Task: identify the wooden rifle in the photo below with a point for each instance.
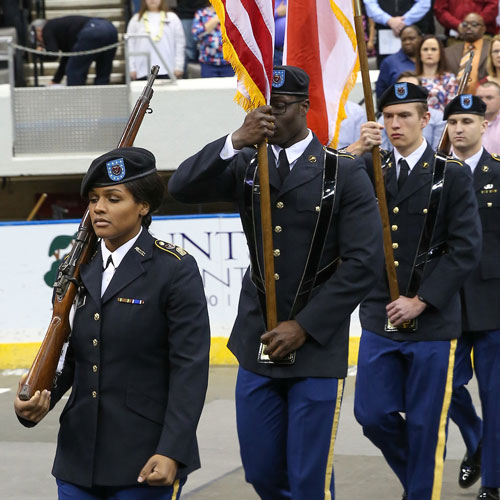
(43, 370)
(444, 146)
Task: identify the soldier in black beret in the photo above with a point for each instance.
(480, 320)
(288, 397)
(137, 359)
(407, 346)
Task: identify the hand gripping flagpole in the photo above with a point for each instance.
(377, 165)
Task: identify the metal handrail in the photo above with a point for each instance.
(127, 37)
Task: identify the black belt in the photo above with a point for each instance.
(311, 277)
(425, 252)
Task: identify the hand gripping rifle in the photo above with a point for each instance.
(43, 370)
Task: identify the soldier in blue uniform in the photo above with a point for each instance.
(407, 346)
(480, 316)
(323, 211)
(137, 359)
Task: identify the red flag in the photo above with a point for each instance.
(321, 39)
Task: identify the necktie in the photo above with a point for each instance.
(108, 262)
(283, 165)
(404, 171)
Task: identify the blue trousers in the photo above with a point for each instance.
(286, 430)
(487, 367)
(462, 410)
(69, 491)
(94, 34)
(414, 378)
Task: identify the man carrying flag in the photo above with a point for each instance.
(327, 245)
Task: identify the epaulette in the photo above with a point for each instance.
(495, 156)
(170, 248)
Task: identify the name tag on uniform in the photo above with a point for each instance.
(130, 301)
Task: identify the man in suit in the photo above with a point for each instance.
(480, 318)
(472, 30)
(287, 410)
(407, 346)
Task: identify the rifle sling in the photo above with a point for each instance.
(311, 277)
(425, 252)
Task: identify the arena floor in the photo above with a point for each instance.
(360, 471)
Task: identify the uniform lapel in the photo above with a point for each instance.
(308, 166)
(420, 175)
(391, 181)
(91, 275)
(274, 176)
(131, 267)
(482, 177)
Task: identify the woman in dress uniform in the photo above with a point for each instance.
(137, 359)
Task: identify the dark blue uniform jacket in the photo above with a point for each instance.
(457, 225)
(354, 235)
(138, 372)
(481, 291)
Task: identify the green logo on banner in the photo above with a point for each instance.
(56, 250)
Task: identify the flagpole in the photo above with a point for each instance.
(377, 164)
(267, 237)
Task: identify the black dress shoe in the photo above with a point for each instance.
(405, 496)
(488, 494)
(470, 469)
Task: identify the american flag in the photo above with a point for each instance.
(248, 42)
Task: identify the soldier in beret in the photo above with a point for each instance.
(480, 317)
(407, 347)
(137, 360)
(288, 399)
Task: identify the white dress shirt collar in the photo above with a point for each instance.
(473, 160)
(119, 253)
(412, 158)
(295, 151)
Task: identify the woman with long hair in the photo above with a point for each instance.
(430, 67)
(164, 28)
(493, 62)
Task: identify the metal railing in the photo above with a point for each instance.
(129, 53)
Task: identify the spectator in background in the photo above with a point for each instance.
(280, 28)
(350, 128)
(450, 13)
(430, 68)
(489, 92)
(165, 30)
(12, 16)
(76, 34)
(472, 30)
(403, 60)
(207, 32)
(392, 15)
(434, 128)
(493, 62)
(186, 10)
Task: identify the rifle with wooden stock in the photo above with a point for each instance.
(444, 146)
(43, 370)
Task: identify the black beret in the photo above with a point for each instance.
(117, 167)
(403, 92)
(290, 80)
(466, 104)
